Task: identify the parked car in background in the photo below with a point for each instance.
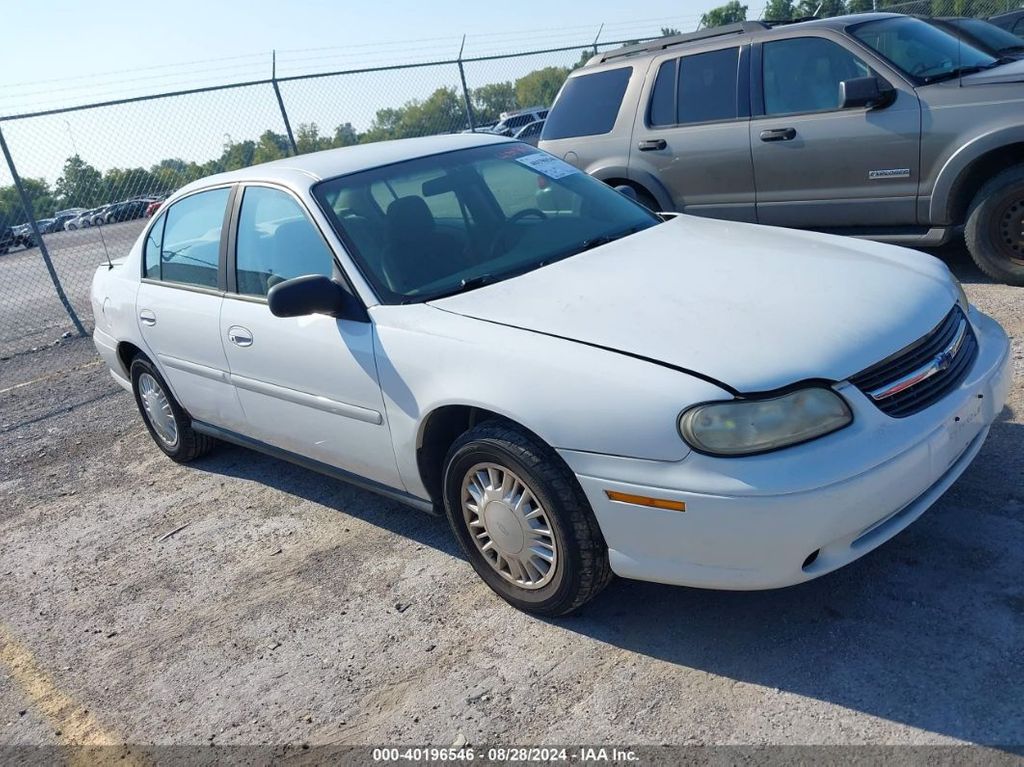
(511, 122)
(1011, 22)
(61, 219)
(879, 126)
(126, 211)
(100, 216)
(6, 239)
(982, 35)
(711, 404)
(153, 207)
(25, 237)
(82, 220)
(530, 133)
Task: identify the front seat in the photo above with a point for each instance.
(297, 250)
(417, 252)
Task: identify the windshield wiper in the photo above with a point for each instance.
(604, 239)
(472, 283)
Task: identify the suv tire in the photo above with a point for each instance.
(506, 463)
(168, 424)
(995, 227)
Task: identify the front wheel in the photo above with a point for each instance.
(168, 424)
(995, 227)
(523, 521)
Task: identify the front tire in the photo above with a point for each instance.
(523, 521)
(168, 424)
(995, 227)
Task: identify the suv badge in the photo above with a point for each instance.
(889, 173)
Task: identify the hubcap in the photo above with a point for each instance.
(1009, 226)
(158, 410)
(509, 526)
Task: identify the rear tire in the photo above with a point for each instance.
(541, 551)
(995, 227)
(168, 424)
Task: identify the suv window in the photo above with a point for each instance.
(588, 104)
(704, 91)
(276, 242)
(189, 240)
(802, 74)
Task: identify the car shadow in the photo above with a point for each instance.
(926, 631)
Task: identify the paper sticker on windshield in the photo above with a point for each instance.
(550, 166)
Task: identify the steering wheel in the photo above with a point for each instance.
(502, 232)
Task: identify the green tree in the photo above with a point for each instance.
(12, 211)
(441, 112)
(491, 100)
(540, 87)
(669, 31)
(729, 13)
(271, 146)
(860, 6)
(80, 184)
(779, 10)
(128, 182)
(821, 8)
(345, 135)
(236, 154)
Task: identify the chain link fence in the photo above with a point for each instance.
(79, 183)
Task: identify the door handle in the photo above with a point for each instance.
(239, 336)
(650, 144)
(778, 134)
(146, 317)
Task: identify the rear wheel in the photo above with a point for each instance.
(523, 521)
(995, 227)
(168, 424)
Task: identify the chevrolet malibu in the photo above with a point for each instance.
(467, 324)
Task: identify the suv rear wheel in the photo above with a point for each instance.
(995, 227)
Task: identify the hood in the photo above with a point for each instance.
(753, 307)
(1013, 72)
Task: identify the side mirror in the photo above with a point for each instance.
(314, 294)
(870, 92)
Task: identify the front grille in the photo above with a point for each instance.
(924, 372)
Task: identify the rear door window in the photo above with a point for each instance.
(695, 89)
(190, 246)
(588, 104)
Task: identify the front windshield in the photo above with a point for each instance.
(924, 52)
(999, 40)
(438, 225)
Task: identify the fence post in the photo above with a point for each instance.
(465, 91)
(280, 102)
(597, 36)
(26, 203)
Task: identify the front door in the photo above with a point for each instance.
(307, 385)
(691, 132)
(817, 165)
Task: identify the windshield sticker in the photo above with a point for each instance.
(550, 166)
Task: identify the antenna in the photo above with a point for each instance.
(110, 264)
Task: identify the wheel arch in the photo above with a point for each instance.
(640, 180)
(967, 171)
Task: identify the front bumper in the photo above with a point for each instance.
(785, 517)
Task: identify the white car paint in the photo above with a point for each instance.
(598, 355)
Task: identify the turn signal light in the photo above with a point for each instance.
(643, 500)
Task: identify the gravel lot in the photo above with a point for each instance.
(296, 609)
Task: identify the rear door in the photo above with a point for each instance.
(692, 132)
(818, 165)
(309, 384)
(179, 301)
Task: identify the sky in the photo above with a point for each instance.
(67, 53)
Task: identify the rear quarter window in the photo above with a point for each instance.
(588, 104)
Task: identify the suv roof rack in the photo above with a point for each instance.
(784, 22)
(661, 43)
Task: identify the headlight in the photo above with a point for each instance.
(744, 427)
(962, 300)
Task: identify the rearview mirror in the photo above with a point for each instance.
(870, 92)
(314, 294)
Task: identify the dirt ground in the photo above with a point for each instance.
(290, 608)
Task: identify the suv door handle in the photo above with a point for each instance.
(650, 144)
(778, 134)
(146, 317)
(239, 336)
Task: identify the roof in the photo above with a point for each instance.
(304, 169)
(752, 29)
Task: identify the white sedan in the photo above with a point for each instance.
(585, 388)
